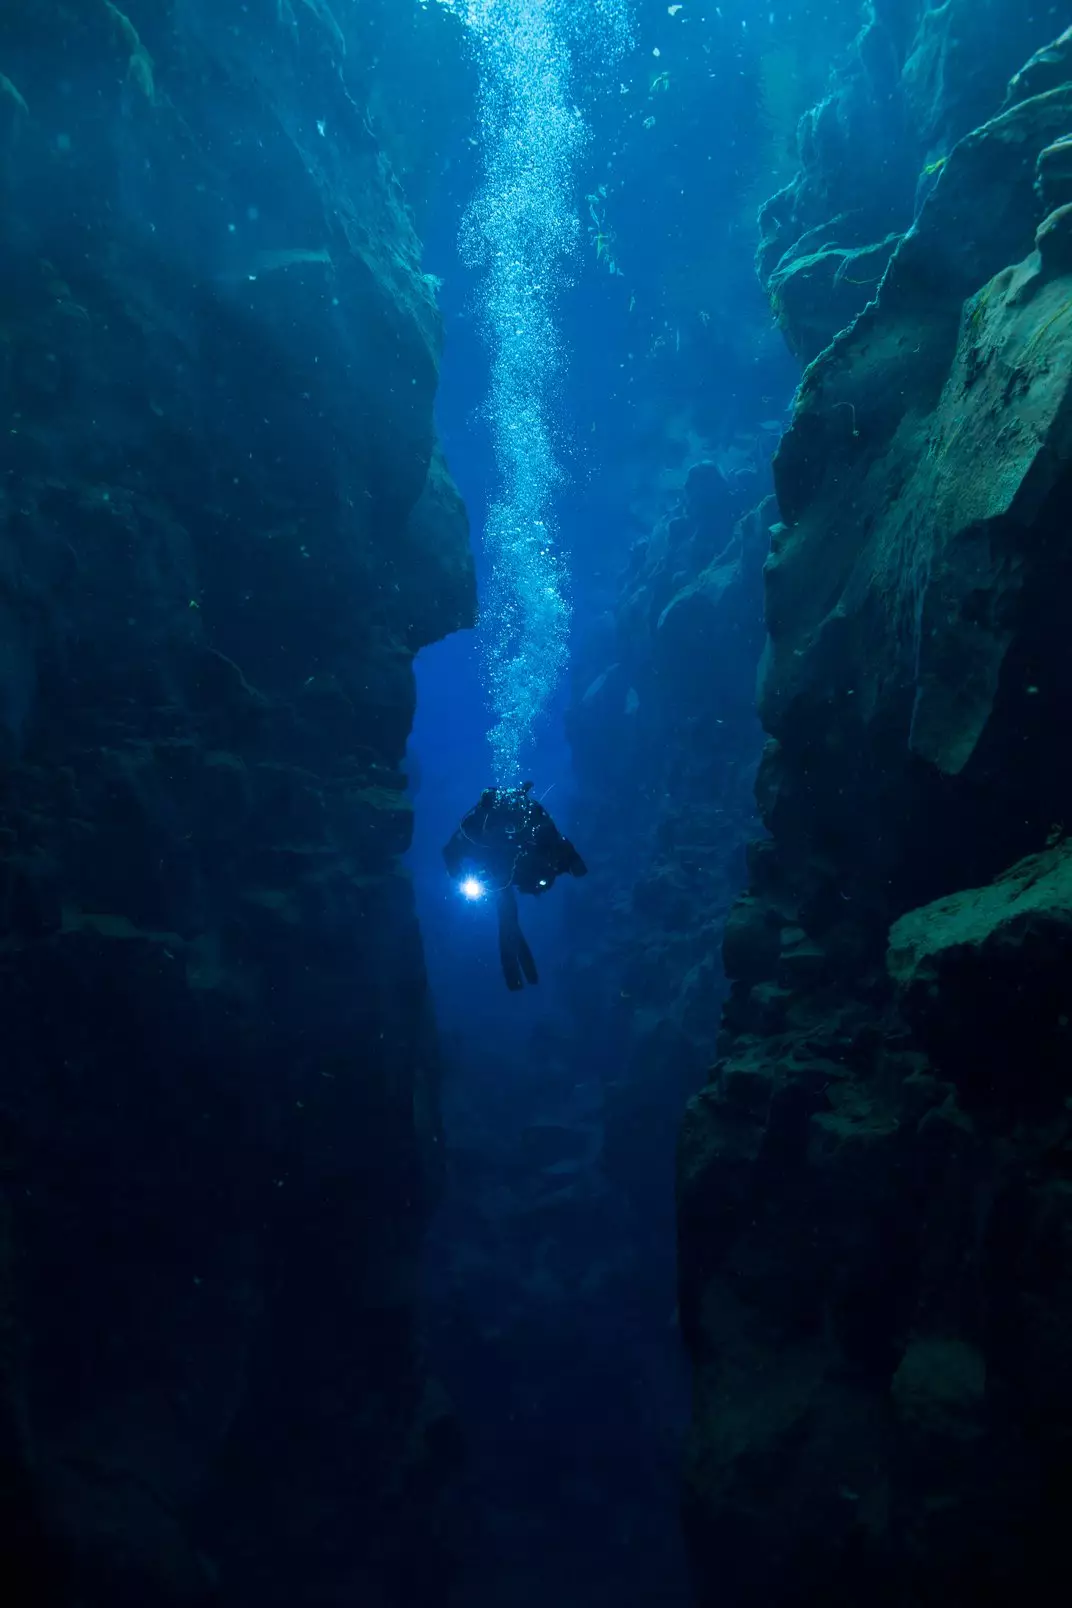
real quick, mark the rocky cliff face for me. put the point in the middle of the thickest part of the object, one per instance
(874, 1208)
(224, 533)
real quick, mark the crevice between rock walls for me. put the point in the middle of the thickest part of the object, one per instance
(225, 530)
(873, 1189)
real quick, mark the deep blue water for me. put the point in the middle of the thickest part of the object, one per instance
(216, 1099)
(533, 1377)
(575, 1403)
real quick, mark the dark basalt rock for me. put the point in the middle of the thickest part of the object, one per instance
(1048, 69)
(816, 294)
(224, 531)
(917, 394)
(1055, 173)
(709, 621)
(873, 1207)
(985, 978)
(916, 81)
(751, 945)
(1053, 240)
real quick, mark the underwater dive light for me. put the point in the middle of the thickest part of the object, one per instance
(472, 888)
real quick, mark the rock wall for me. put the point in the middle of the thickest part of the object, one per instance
(873, 1201)
(916, 79)
(225, 530)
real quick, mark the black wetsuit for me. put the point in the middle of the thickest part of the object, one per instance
(509, 841)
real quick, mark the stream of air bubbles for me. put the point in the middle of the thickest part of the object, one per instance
(520, 230)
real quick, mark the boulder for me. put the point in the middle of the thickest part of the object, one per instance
(985, 977)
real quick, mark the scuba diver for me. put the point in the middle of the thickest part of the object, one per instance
(508, 841)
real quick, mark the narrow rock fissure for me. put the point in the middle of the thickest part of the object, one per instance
(659, 1199)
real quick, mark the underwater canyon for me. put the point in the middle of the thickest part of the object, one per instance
(330, 1273)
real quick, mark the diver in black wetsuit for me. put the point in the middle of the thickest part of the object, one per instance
(508, 841)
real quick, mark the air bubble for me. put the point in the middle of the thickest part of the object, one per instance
(520, 229)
